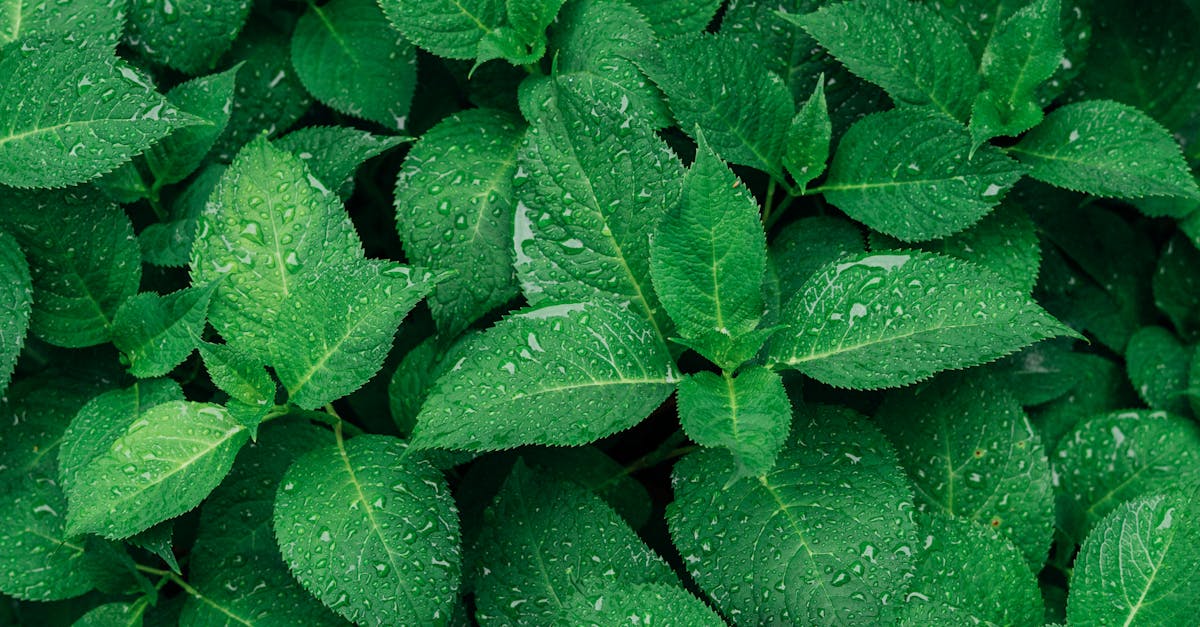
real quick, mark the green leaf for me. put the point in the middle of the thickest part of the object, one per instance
(169, 244)
(159, 540)
(329, 342)
(562, 374)
(977, 573)
(869, 322)
(1115, 457)
(455, 211)
(1101, 387)
(161, 466)
(597, 604)
(1025, 50)
(591, 468)
(542, 535)
(1176, 285)
(156, 333)
(77, 288)
(1041, 373)
(371, 532)
(1104, 148)
(265, 242)
(529, 18)
(334, 153)
(103, 420)
(1138, 566)
(349, 57)
(447, 28)
(677, 17)
(210, 98)
(766, 555)
(413, 379)
(717, 84)
(748, 414)
(906, 48)
(237, 374)
(807, 143)
(16, 303)
(971, 453)
(189, 37)
(591, 186)
(1158, 365)
(910, 174)
(114, 615)
(1004, 241)
(104, 113)
(100, 21)
(707, 259)
(802, 247)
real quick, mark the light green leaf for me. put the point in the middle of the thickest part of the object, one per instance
(677, 17)
(455, 210)
(16, 303)
(335, 329)
(237, 374)
(718, 84)
(807, 144)
(977, 573)
(971, 453)
(562, 374)
(1025, 50)
(349, 57)
(447, 28)
(187, 36)
(591, 186)
(103, 420)
(235, 550)
(1139, 565)
(334, 153)
(264, 242)
(161, 466)
(371, 532)
(156, 333)
(910, 174)
(100, 21)
(905, 47)
(1115, 457)
(210, 98)
(707, 259)
(542, 535)
(748, 414)
(802, 247)
(529, 18)
(766, 555)
(77, 288)
(869, 321)
(1158, 365)
(104, 113)
(1104, 148)
(114, 615)
(599, 603)
(1176, 285)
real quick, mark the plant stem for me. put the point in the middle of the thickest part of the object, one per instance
(669, 449)
(769, 202)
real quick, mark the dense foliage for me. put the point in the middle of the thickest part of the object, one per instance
(599, 312)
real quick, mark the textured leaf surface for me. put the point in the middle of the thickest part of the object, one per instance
(977, 573)
(910, 174)
(209, 98)
(869, 322)
(677, 17)
(187, 36)
(541, 536)
(708, 256)
(591, 186)
(371, 532)
(69, 114)
(563, 374)
(1104, 148)
(161, 466)
(16, 303)
(114, 615)
(156, 333)
(334, 153)
(906, 48)
(264, 242)
(971, 453)
(647, 604)
(1140, 564)
(1158, 365)
(77, 288)
(821, 539)
(748, 414)
(447, 28)
(717, 84)
(1115, 457)
(237, 374)
(802, 247)
(100, 20)
(807, 142)
(351, 59)
(331, 341)
(455, 210)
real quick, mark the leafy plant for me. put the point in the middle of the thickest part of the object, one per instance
(599, 312)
